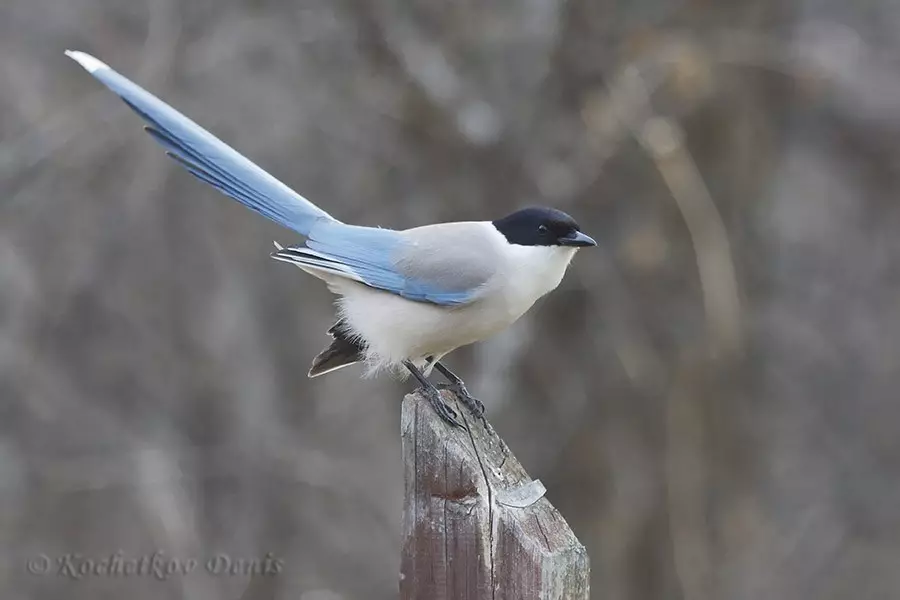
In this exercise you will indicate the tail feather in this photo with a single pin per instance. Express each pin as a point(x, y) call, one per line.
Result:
point(206, 156)
point(343, 351)
point(339, 354)
point(314, 261)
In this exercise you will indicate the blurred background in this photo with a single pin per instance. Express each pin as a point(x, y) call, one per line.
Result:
point(710, 397)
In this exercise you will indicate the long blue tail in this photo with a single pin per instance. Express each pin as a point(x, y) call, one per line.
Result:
point(207, 157)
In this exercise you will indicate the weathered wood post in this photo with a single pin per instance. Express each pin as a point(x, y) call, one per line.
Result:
point(475, 526)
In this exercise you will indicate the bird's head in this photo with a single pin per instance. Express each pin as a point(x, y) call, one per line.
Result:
point(541, 226)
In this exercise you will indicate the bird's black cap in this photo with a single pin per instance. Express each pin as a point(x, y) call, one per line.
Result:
point(542, 226)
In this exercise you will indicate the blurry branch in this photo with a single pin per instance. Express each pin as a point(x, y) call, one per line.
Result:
point(161, 43)
point(279, 458)
point(426, 65)
point(862, 80)
point(158, 58)
point(642, 363)
point(495, 359)
point(52, 130)
point(628, 108)
point(822, 50)
point(823, 55)
point(862, 84)
point(687, 482)
point(663, 139)
point(49, 133)
point(175, 522)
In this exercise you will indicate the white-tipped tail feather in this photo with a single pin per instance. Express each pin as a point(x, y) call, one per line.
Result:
point(87, 61)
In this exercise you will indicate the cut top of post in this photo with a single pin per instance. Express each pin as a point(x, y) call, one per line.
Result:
point(475, 525)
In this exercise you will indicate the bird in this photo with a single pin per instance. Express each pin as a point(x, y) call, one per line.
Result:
point(405, 298)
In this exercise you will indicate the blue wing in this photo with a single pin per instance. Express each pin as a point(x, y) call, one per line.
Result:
point(374, 257)
point(207, 157)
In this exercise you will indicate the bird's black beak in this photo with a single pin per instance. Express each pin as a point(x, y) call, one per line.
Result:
point(576, 239)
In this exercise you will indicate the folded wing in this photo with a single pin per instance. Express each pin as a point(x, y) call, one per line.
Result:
point(415, 266)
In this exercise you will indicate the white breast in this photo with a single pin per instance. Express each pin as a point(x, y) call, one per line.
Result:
point(532, 271)
point(396, 329)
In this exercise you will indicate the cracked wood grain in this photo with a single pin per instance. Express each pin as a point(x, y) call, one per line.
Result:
point(475, 525)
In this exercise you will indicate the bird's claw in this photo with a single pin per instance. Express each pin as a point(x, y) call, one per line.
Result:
point(441, 407)
point(475, 406)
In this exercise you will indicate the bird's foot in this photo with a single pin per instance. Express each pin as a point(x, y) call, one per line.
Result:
point(441, 407)
point(475, 406)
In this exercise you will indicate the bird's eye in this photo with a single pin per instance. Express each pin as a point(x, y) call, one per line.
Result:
point(542, 228)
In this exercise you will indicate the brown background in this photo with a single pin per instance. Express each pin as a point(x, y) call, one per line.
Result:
point(710, 396)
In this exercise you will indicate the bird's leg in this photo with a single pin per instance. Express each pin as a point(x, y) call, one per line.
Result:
point(434, 396)
point(459, 388)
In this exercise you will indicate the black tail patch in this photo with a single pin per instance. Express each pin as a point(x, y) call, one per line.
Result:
point(344, 350)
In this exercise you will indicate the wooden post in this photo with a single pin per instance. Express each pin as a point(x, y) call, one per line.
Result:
point(475, 526)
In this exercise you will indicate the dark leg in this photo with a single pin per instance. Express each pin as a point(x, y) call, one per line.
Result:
point(434, 396)
point(459, 388)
